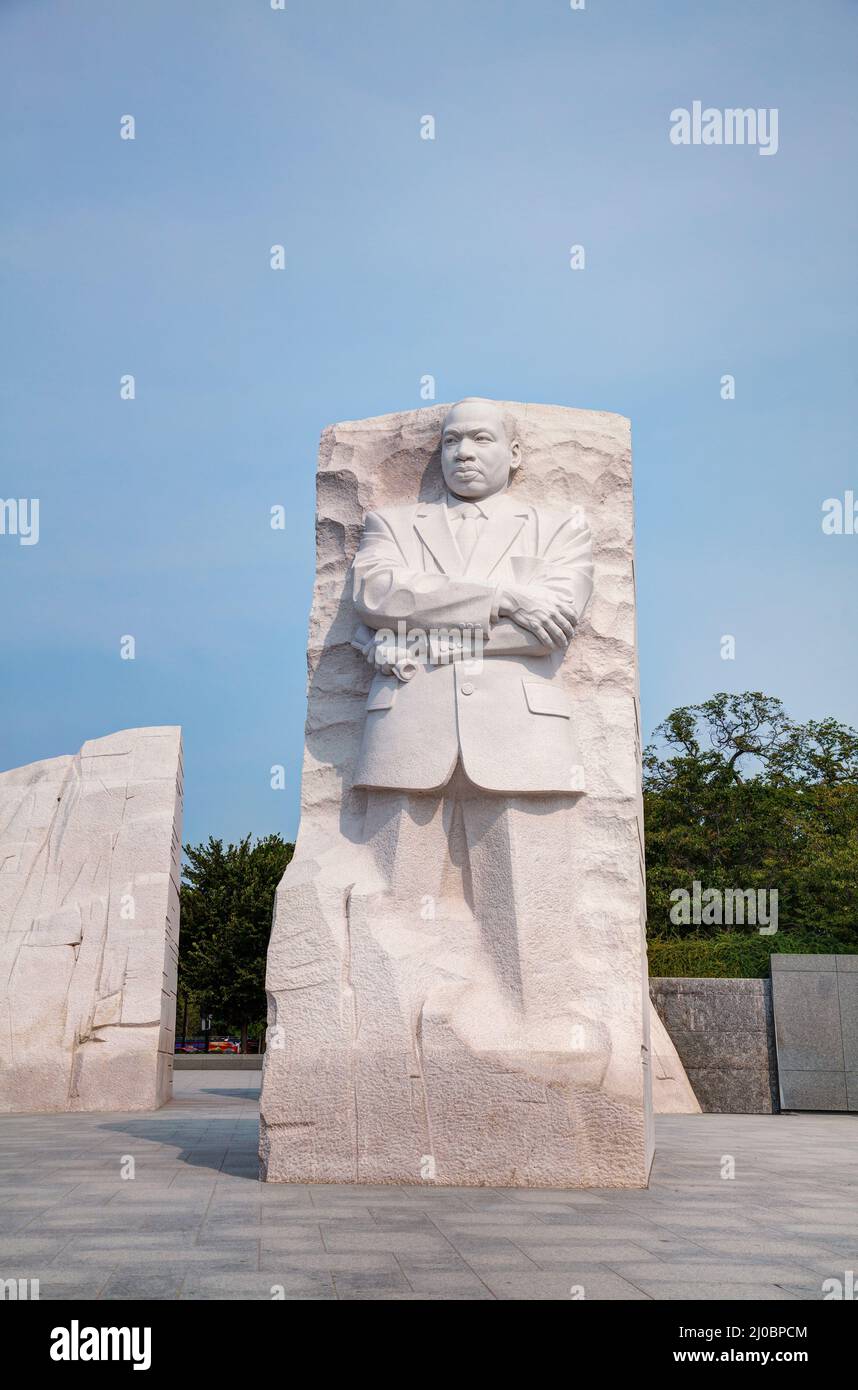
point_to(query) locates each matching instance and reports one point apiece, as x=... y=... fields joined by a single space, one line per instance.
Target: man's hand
x=539 y=612
x=386 y=658
x=382 y=655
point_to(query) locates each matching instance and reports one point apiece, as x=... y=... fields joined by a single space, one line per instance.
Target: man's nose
x=465 y=450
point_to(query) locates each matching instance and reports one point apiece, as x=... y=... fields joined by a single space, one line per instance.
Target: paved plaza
x=195 y=1223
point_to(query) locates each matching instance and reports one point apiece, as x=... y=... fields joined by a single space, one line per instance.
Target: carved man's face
x=477 y=456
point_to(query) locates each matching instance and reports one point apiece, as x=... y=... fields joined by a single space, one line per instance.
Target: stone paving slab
x=194 y=1222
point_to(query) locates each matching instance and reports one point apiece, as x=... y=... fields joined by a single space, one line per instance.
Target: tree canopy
x=738 y=795
x=227 y=904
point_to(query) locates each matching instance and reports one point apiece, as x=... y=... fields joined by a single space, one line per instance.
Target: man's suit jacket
x=502 y=714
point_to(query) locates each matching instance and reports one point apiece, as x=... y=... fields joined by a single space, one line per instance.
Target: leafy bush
x=737 y=954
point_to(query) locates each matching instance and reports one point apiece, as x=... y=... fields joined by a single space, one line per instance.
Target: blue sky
x=406 y=257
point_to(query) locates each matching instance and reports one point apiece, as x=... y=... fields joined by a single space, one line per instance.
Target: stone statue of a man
x=473 y=600
x=490 y=590
x=456 y=973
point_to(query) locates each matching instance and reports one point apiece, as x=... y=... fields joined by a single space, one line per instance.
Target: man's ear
x=515 y=455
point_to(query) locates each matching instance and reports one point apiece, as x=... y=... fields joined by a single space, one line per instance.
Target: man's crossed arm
x=547 y=606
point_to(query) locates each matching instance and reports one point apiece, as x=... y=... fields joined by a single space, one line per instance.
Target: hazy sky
x=405 y=257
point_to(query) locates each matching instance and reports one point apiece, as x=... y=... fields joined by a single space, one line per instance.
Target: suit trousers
x=493 y=859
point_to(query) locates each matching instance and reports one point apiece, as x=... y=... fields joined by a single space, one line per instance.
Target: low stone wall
x=218 y=1061
x=723 y=1031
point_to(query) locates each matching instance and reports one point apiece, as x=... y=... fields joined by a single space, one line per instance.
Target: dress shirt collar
x=486 y=506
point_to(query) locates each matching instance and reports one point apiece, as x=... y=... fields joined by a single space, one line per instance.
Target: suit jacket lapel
x=433 y=527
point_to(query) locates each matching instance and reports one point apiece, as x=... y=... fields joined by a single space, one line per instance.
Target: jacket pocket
x=381 y=695
x=547 y=699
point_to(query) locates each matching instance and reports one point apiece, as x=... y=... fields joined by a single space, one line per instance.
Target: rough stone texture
x=88 y=992
x=723 y=1032
x=391 y=1055
x=672 y=1093
x=816 y=1030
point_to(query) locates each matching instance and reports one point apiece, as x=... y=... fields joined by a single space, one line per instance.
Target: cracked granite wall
x=90 y=848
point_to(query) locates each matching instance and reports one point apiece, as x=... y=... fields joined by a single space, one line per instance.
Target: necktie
x=467 y=530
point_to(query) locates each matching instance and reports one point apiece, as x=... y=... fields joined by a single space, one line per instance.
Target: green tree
x=227 y=900
x=737 y=795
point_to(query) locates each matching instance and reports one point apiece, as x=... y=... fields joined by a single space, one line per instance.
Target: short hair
x=509 y=421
